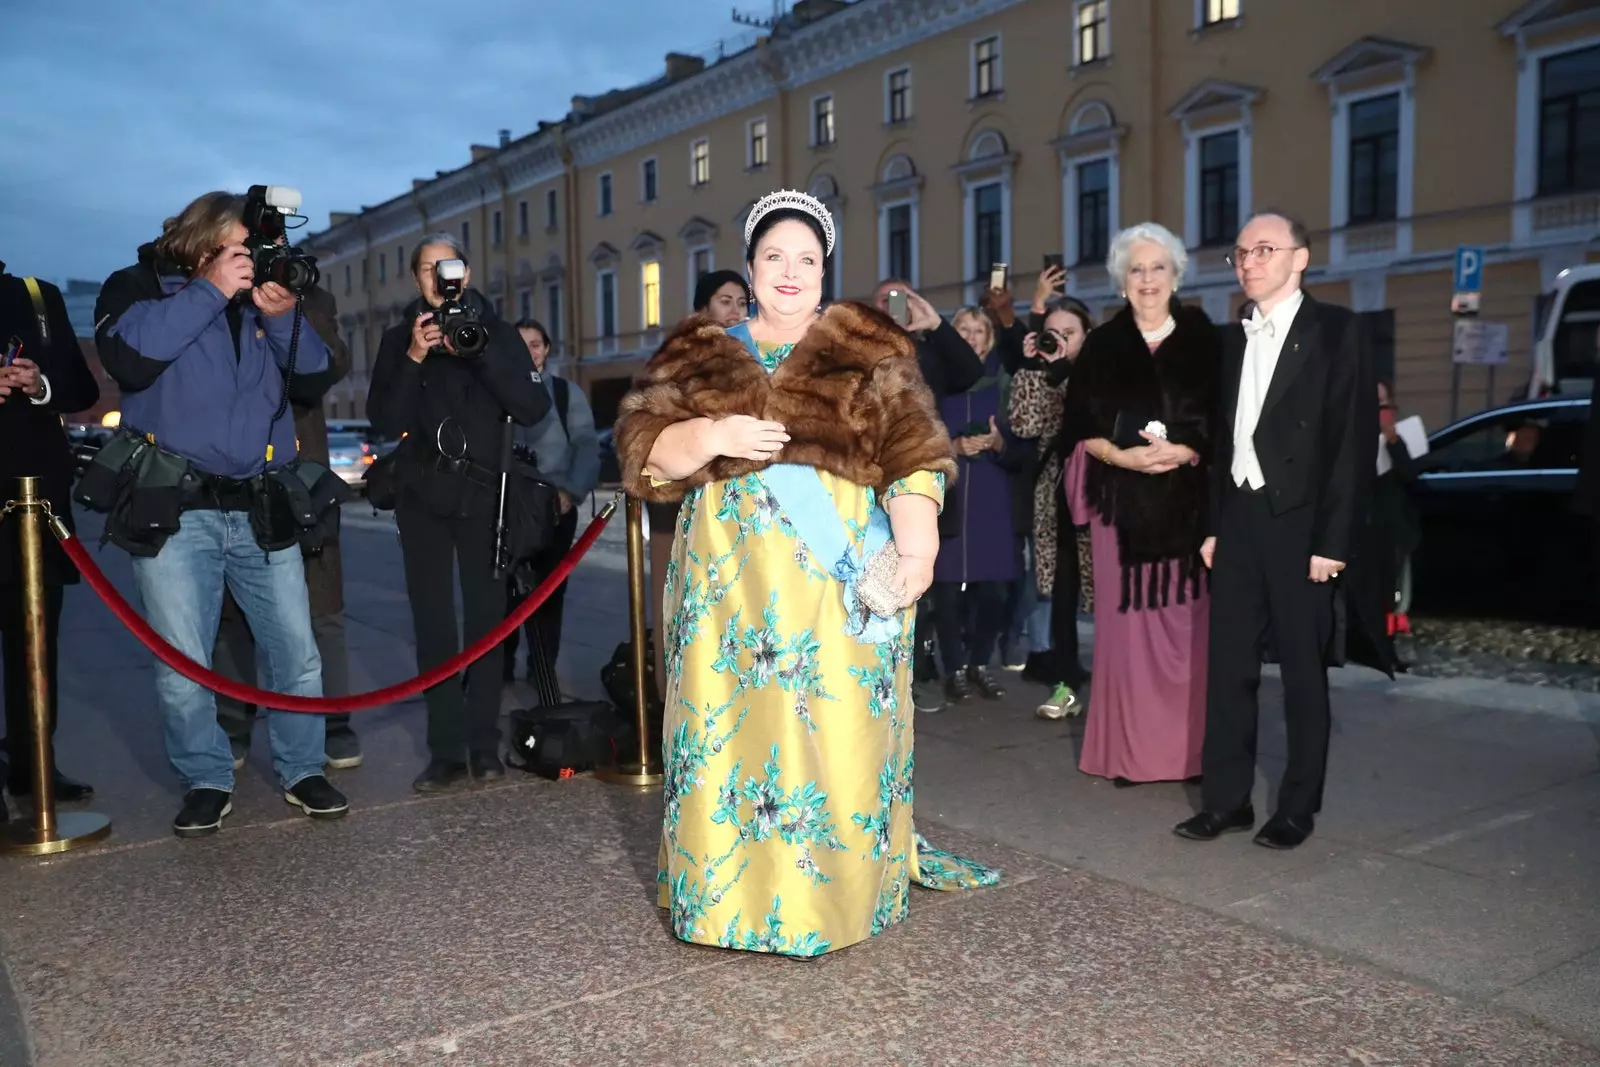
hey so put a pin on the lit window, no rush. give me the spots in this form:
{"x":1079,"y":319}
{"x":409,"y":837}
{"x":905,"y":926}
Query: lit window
{"x":651,"y":276}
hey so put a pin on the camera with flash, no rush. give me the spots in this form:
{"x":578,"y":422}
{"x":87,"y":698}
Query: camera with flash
{"x":458,"y":320}
{"x":266,"y":210}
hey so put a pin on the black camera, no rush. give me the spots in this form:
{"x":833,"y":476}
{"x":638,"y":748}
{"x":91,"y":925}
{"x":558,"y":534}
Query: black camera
{"x":458,"y":320}
{"x":266,"y":207}
{"x":1047,"y":343}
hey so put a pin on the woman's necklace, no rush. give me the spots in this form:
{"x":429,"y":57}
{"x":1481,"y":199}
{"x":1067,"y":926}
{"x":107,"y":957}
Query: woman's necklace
{"x":1160,"y":333}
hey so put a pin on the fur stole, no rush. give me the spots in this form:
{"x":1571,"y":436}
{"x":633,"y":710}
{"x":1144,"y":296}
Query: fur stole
{"x":850,"y":395}
{"x":1160,"y":519}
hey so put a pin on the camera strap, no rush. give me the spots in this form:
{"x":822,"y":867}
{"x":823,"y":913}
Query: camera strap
{"x":37,"y":296}
{"x":288,"y":374}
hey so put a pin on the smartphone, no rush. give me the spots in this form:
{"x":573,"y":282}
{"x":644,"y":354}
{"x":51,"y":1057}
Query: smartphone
{"x":975,"y":428}
{"x":898,"y":311}
{"x":13,"y":352}
{"x":997,"y":275}
{"x":1056,"y":260}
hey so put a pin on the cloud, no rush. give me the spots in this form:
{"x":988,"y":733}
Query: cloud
{"x":115,"y":120}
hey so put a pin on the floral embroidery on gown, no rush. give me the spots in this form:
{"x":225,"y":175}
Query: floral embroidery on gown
{"x":788,"y":757}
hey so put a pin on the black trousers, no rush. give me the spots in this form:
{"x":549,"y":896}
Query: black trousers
{"x":459,"y":720}
{"x":1066,"y":661}
{"x":19,"y":729}
{"x":1261,"y":598}
{"x":969,"y":619}
{"x":544,"y":625}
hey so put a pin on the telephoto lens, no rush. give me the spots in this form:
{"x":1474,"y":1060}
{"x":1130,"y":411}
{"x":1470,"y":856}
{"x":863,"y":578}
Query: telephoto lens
{"x":468,"y":338}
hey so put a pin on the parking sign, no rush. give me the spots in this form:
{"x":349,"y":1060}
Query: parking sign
{"x":1469,"y":269}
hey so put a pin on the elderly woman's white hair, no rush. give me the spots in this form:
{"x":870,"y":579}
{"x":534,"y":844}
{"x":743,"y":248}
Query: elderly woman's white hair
{"x":1155,"y":233}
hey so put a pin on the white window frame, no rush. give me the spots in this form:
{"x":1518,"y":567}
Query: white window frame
{"x":645,"y":325}
{"x":888,"y":95}
{"x":833,"y":119}
{"x":999,"y":66}
{"x":750,"y":145}
{"x":1077,"y":35}
{"x":688,"y":269}
{"x":605,"y":195}
{"x":1339,"y":169}
{"x":914,"y":202}
{"x":694,"y":177}
{"x":1191,"y":174}
{"x":1529,"y":63}
{"x":969,"y":217}
{"x":606,"y":344}
{"x":643,"y":164}
{"x":1069,"y":202}
{"x":1200,"y":22}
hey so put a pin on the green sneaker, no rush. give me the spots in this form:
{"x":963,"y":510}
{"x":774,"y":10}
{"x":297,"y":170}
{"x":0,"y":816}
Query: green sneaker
{"x":1062,"y":703}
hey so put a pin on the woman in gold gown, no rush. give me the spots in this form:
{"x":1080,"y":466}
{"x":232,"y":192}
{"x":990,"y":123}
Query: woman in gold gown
{"x":799,"y":443}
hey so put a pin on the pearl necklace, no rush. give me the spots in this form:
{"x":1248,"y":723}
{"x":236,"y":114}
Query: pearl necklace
{"x":1160,"y":333}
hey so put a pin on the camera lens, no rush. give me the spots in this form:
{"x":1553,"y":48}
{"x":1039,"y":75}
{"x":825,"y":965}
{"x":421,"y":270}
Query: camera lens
{"x":1047,"y":343}
{"x":468,"y":339}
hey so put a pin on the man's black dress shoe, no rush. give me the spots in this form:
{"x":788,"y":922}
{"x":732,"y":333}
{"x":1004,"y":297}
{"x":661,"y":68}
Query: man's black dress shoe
{"x":486,"y":765}
{"x":1282,"y":832}
{"x":441,"y":775}
{"x":1209,"y":825}
{"x":68,"y":790}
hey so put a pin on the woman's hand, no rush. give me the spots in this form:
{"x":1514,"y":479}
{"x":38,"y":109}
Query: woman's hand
{"x":22,"y":376}
{"x":1052,"y":280}
{"x":1030,"y":346}
{"x":999,"y":304}
{"x":973,"y":444}
{"x":912,"y":577}
{"x":744,"y":437}
{"x":1145,"y":459}
{"x":425,"y":334}
{"x":1166,"y":454}
{"x":921,"y":316}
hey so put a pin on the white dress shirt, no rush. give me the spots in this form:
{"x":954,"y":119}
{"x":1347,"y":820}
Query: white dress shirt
{"x":1264,"y":339}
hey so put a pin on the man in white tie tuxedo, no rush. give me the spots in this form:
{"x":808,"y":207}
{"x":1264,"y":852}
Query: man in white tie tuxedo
{"x":1295,"y":455}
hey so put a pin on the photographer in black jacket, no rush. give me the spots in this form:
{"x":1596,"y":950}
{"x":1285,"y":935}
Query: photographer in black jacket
{"x":448,"y":389}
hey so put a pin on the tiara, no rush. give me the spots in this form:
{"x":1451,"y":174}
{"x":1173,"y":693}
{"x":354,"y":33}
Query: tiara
{"x":793,"y":200}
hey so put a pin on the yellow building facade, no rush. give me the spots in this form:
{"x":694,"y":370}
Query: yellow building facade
{"x":950,"y":134}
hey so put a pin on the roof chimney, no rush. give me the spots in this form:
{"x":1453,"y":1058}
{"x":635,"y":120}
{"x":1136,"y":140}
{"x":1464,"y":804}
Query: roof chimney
{"x":481,"y":151}
{"x":505,"y":138}
{"x":680,"y":66}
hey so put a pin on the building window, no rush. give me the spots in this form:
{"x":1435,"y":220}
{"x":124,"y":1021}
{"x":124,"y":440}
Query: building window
{"x":699,"y":266}
{"x":700,"y":162}
{"x":1374,"y":158}
{"x":347,"y":279}
{"x":365,"y":263}
{"x":988,"y":227}
{"x":1093,"y":27}
{"x":822,"y":121}
{"x":552,"y":311}
{"x":650,"y":284}
{"x":900,"y":242}
{"x":758,"y":144}
{"x":525,"y":304}
{"x":497,"y":234}
{"x":897,"y":105}
{"x":1219,"y":188}
{"x":604,"y":195}
{"x":522,"y":218}
{"x":607,"y":285}
{"x":466,"y":236}
{"x":647,"y":181}
{"x":1094,"y":210}
{"x":1569,"y":122}
{"x":986,"y":67}
{"x":1215,"y":11}
{"x":550,"y":220}
{"x":383,"y":267}
{"x":399,"y":259}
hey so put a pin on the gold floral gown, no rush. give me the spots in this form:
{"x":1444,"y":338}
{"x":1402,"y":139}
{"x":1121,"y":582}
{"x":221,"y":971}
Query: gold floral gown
{"x":788,"y":744}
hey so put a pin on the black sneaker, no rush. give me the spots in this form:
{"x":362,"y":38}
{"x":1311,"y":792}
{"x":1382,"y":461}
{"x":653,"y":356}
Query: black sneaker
{"x":957,"y":690}
{"x":985,"y":684}
{"x":317,"y":797}
{"x":486,"y":765}
{"x":240,"y":750}
{"x":342,"y":749}
{"x":203,"y":811}
{"x":441,"y":775}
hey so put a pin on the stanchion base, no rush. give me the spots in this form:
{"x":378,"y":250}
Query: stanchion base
{"x":630,"y":774}
{"x":74,"y":829}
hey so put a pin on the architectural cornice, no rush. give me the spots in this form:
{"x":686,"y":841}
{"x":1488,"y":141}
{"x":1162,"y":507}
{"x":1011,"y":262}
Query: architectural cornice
{"x":1214,"y":96}
{"x":1368,"y":58}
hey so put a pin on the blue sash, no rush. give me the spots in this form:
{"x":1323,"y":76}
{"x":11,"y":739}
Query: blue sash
{"x":811,"y":510}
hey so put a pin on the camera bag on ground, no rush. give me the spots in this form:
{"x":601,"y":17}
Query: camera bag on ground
{"x":616,"y":677}
{"x":557,"y":738}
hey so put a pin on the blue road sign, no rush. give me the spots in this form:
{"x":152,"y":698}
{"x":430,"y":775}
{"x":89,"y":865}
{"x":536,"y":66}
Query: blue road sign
{"x":1469,"y":269}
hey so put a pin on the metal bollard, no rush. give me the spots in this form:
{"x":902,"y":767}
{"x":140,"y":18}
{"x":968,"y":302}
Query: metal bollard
{"x":48,"y":832}
{"x":644,"y":767}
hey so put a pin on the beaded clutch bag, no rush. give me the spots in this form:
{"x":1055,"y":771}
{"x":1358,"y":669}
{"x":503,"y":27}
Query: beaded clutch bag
{"x":876,"y":590}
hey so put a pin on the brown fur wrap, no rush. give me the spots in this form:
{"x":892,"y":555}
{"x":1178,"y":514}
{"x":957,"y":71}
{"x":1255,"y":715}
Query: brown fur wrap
{"x":850,"y":395}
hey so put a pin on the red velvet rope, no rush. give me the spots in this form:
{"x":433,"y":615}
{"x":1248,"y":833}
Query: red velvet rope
{"x":324,"y":705}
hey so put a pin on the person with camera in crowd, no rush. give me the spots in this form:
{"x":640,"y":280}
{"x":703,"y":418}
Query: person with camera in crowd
{"x":43,"y":375}
{"x":235,"y":653}
{"x":565,"y":449}
{"x":200,"y":335}
{"x":446,"y":378}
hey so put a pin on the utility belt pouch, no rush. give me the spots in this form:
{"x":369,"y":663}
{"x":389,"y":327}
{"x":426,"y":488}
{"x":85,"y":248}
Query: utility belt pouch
{"x":298,"y":504}
{"x":100,"y":484}
{"x":141,"y":488}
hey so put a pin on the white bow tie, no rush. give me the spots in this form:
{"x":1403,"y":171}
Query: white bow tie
{"x":1255,"y":327}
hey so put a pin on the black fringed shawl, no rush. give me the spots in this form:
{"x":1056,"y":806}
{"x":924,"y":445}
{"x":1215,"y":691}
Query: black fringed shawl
{"x":1160,"y":519}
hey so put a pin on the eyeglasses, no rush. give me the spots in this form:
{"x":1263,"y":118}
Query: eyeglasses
{"x":1259,"y":254}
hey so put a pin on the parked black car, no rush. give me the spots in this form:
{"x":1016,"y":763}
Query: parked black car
{"x":1500,"y":538}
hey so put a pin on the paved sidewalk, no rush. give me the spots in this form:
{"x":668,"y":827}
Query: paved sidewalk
{"x":1443,"y":913}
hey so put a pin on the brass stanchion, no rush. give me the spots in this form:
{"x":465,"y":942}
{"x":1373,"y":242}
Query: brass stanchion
{"x":48,"y":832}
{"x":642,"y":768}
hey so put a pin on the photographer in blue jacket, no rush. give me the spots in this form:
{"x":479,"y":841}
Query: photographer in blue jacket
{"x":202,"y":484}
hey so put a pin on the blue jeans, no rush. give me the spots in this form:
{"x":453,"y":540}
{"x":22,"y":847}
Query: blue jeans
{"x":181,"y":589}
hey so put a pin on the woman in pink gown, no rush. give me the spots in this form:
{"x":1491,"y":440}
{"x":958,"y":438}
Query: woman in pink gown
{"x":1139,"y":414}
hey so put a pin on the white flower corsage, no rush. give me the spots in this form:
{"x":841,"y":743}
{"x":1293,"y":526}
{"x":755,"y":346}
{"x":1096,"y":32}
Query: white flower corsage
{"x":1156,"y":428}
